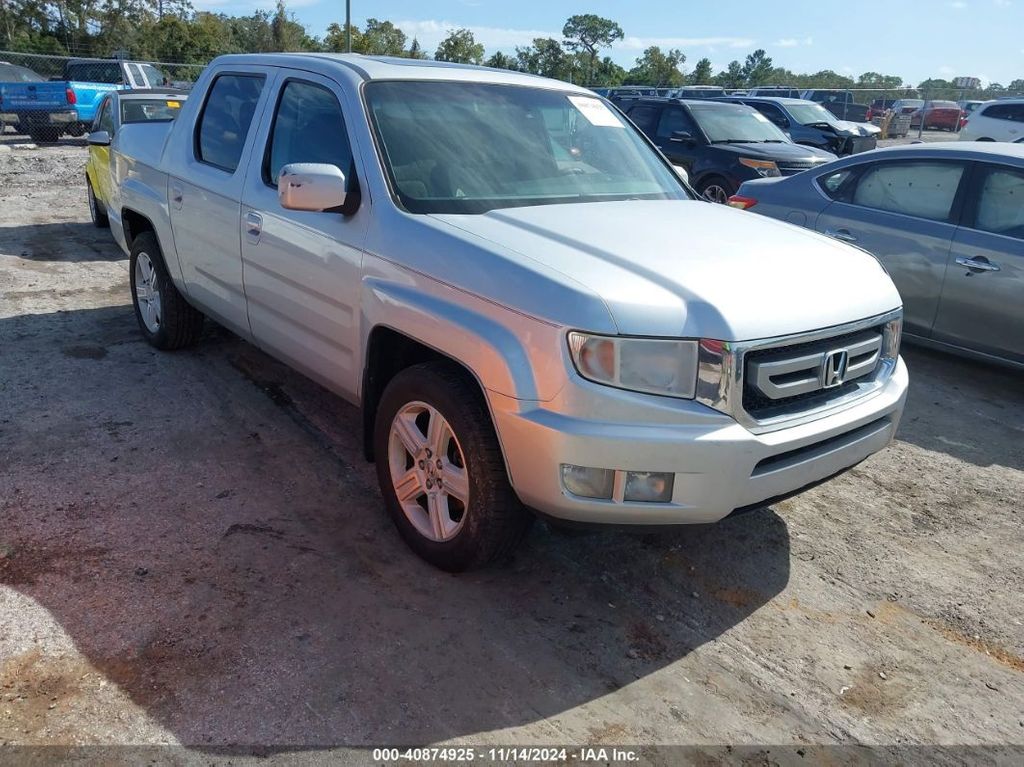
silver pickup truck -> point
(530, 308)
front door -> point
(205, 200)
(903, 213)
(680, 151)
(302, 268)
(982, 304)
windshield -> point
(808, 114)
(725, 123)
(471, 147)
(149, 110)
(16, 74)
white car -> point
(1001, 120)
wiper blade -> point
(734, 141)
(774, 141)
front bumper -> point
(718, 464)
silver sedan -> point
(947, 222)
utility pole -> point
(348, 26)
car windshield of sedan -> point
(809, 114)
(728, 123)
(456, 147)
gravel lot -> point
(193, 551)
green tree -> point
(702, 73)
(546, 58)
(588, 33)
(882, 82)
(461, 47)
(731, 77)
(1016, 86)
(757, 69)
(657, 68)
(380, 38)
(499, 60)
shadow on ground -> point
(69, 242)
(973, 411)
(222, 556)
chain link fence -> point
(47, 97)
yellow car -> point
(116, 109)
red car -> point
(941, 115)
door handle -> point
(177, 196)
(840, 234)
(977, 264)
(253, 226)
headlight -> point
(651, 365)
(764, 168)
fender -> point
(138, 197)
(492, 350)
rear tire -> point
(97, 211)
(435, 445)
(166, 319)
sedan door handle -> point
(977, 264)
(840, 234)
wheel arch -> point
(404, 326)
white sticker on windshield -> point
(596, 112)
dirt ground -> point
(192, 551)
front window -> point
(472, 147)
(725, 123)
(153, 75)
(149, 110)
(810, 114)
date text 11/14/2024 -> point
(460, 754)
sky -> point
(912, 39)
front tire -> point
(166, 319)
(716, 189)
(97, 211)
(441, 470)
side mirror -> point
(99, 138)
(311, 186)
(681, 136)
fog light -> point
(587, 482)
(648, 487)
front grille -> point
(792, 167)
(785, 380)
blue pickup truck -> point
(46, 110)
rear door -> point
(982, 304)
(205, 199)
(302, 268)
(903, 212)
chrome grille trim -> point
(781, 375)
(721, 374)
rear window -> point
(149, 110)
(95, 72)
(1013, 112)
(225, 121)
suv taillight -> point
(72, 98)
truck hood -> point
(691, 269)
